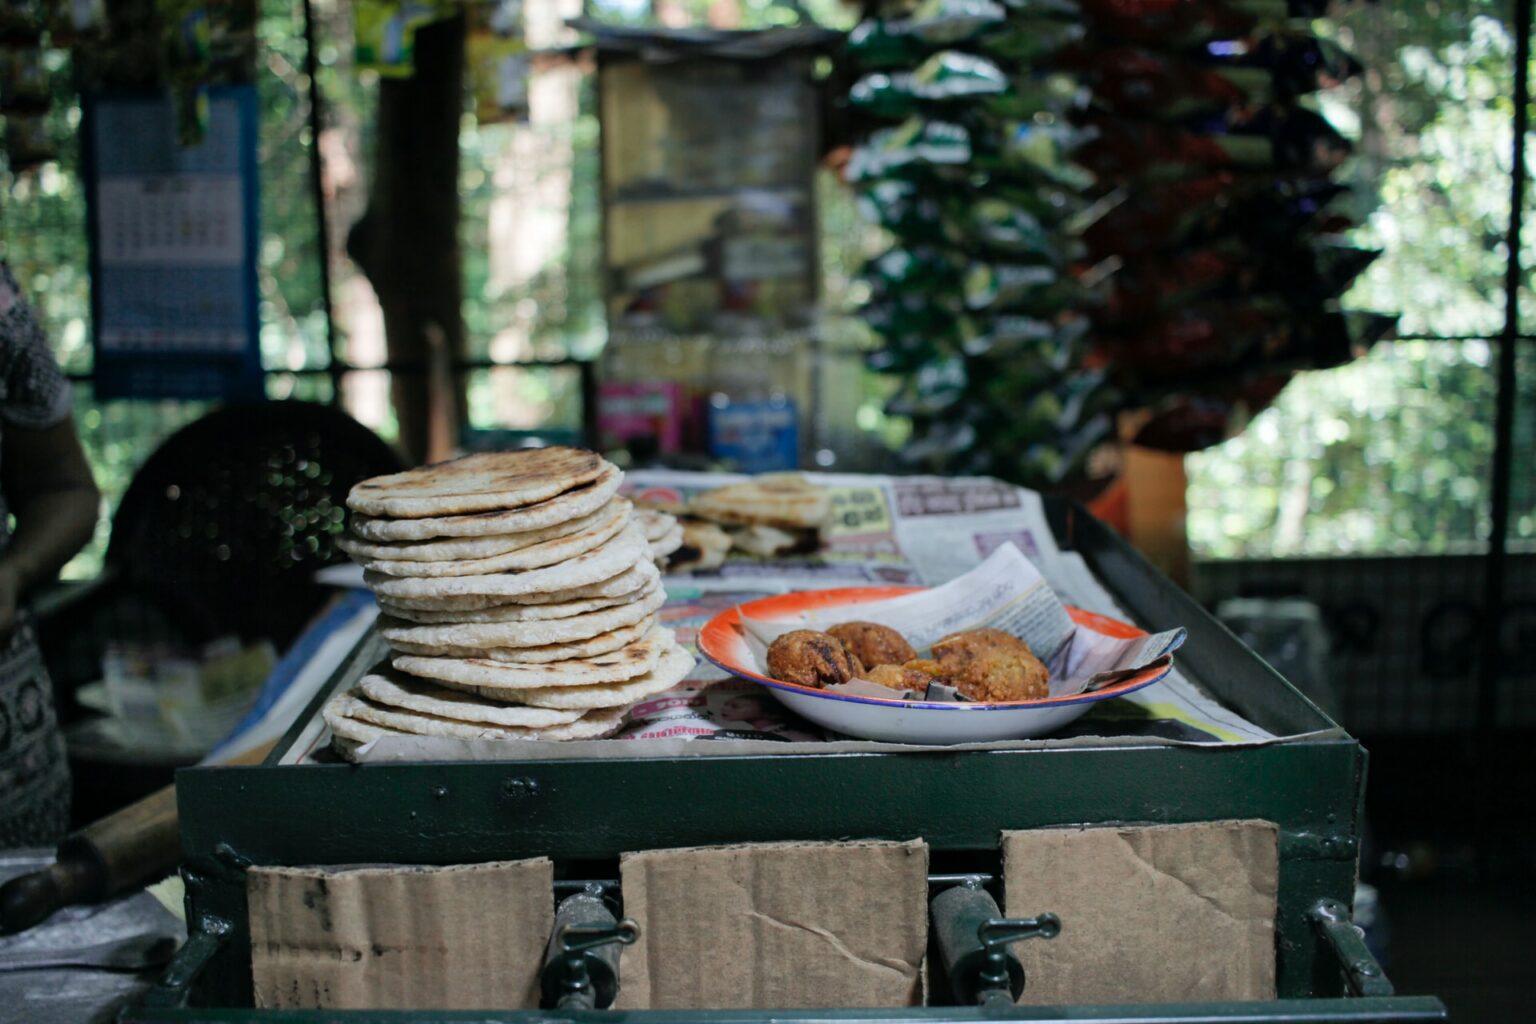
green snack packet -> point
(1005, 285)
(914, 142)
(1039, 147)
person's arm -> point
(48, 486)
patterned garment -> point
(34, 775)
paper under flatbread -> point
(592, 725)
(632, 660)
(636, 577)
(482, 635)
(610, 641)
(516, 612)
(672, 669)
(394, 689)
(443, 549)
(785, 500)
(548, 552)
(573, 504)
(486, 482)
(604, 562)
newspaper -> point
(886, 530)
(1005, 592)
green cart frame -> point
(585, 813)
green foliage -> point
(1394, 453)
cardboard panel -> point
(776, 926)
(1148, 914)
(468, 936)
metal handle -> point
(581, 965)
(973, 940)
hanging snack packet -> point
(1296, 63)
(1042, 148)
(916, 143)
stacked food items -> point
(1099, 205)
(768, 516)
(1230, 228)
(977, 664)
(519, 593)
(981, 300)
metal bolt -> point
(1365, 969)
(439, 792)
(520, 787)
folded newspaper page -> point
(1004, 592)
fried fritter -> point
(990, 665)
(811, 658)
(899, 677)
(873, 644)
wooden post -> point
(407, 241)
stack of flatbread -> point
(519, 593)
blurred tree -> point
(1393, 453)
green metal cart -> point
(585, 813)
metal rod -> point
(1488, 666)
(336, 369)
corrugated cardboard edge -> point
(463, 936)
(1150, 913)
(777, 926)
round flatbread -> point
(397, 690)
(672, 669)
(482, 635)
(516, 612)
(444, 549)
(573, 504)
(785, 500)
(655, 525)
(603, 562)
(633, 660)
(351, 730)
(588, 726)
(637, 576)
(489, 481)
(548, 552)
(610, 641)
(663, 547)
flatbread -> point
(536, 556)
(397, 690)
(481, 635)
(655, 525)
(443, 549)
(785, 500)
(705, 546)
(574, 503)
(667, 544)
(593, 725)
(486, 482)
(638, 576)
(671, 670)
(623, 636)
(633, 660)
(351, 730)
(517, 612)
(604, 562)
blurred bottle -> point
(754, 419)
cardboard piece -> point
(1168, 913)
(468, 936)
(776, 926)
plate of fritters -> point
(996, 688)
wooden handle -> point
(129, 847)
